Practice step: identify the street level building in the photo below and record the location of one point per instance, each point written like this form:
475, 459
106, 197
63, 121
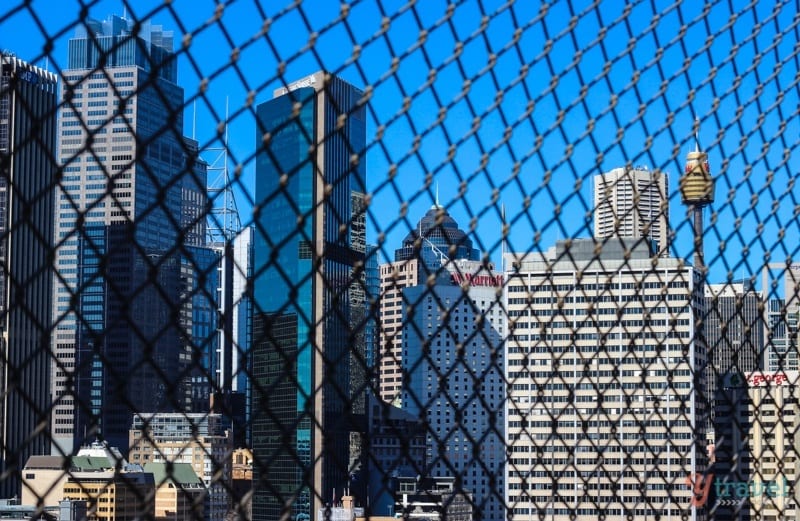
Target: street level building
98, 477
28, 168
309, 305
633, 202
179, 492
605, 413
196, 439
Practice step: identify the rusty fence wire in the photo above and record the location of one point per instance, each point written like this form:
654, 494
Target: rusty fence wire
399, 260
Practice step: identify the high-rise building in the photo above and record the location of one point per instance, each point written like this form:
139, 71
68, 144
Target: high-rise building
633, 202
756, 465
453, 361
28, 165
780, 351
605, 410
118, 344
782, 316
426, 249
308, 277
732, 328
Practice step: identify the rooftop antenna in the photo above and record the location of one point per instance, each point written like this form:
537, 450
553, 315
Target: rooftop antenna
696, 134
437, 194
194, 118
503, 236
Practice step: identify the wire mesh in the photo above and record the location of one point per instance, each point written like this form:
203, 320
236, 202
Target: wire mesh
382, 259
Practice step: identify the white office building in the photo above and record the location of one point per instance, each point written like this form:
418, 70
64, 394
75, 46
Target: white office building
633, 202
605, 418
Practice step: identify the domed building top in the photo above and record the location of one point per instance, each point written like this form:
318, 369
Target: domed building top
439, 232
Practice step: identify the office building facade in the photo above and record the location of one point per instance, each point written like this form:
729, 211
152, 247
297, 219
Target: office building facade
604, 396
633, 202
426, 250
453, 363
756, 463
118, 346
733, 331
197, 439
28, 105
308, 307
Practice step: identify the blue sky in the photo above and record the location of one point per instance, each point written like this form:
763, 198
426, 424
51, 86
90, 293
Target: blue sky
555, 94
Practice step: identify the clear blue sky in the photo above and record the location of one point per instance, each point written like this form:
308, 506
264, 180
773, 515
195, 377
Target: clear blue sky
583, 89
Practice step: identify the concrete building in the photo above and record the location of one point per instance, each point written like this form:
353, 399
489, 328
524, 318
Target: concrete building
733, 332
179, 494
426, 249
453, 361
633, 202
605, 411
27, 174
395, 447
756, 455
195, 439
309, 296
99, 476
118, 348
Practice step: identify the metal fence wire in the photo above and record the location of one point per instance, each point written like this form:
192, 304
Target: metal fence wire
399, 260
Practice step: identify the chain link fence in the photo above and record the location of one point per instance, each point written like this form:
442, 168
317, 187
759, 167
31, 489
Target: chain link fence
408, 260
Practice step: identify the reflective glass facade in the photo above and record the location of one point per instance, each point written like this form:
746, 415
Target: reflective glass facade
309, 299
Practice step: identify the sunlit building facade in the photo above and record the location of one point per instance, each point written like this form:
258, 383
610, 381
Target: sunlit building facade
633, 202
117, 346
427, 249
605, 413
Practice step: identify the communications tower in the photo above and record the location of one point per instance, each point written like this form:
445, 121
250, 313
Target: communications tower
697, 192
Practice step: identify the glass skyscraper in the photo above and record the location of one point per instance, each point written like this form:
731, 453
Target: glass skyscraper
118, 343
309, 293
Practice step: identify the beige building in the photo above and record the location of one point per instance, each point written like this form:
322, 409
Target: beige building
179, 492
395, 277
757, 459
603, 414
632, 202
195, 439
113, 489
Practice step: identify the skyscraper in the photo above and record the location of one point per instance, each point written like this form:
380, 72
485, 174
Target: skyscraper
603, 395
27, 174
308, 308
427, 249
453, 363
633, 202
117, 345
733, 331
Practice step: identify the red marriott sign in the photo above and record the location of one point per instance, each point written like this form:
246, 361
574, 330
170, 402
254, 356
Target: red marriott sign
477, 280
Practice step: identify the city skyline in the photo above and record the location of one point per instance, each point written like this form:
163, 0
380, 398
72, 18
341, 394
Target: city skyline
612, 149
546, 349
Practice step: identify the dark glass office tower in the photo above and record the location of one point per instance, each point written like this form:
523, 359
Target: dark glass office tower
118, 342
308, 307
27, 174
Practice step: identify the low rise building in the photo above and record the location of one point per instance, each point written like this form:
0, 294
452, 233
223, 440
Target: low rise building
96, 484
196, 439
179, 492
